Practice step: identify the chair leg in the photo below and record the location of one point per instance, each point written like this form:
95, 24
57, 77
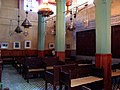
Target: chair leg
45, 85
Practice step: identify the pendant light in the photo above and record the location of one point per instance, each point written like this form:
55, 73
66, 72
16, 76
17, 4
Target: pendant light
26, 23
45, 10
18, 29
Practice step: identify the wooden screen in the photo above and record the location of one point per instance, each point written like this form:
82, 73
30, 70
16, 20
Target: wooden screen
86, 43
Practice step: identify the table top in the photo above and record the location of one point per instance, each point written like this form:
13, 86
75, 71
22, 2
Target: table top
115, 74
84, 80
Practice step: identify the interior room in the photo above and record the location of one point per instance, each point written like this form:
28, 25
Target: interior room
59, 45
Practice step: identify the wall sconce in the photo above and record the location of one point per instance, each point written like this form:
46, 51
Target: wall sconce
45, 10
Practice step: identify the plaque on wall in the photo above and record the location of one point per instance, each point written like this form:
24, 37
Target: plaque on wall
4, 45
27, 44
16, 45
51, 45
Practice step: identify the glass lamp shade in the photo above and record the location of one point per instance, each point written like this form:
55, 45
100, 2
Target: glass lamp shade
26, 23
18, 29
45, 10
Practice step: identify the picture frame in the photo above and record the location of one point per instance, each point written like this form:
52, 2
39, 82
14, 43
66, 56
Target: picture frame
67, 46
4, 45
28, 44
16, 45
51, 45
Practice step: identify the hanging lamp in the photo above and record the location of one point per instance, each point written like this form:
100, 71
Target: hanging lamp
45, 10
71, 24
18, 29
26, 23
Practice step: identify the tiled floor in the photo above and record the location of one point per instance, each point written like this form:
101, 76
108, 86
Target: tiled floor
13, 80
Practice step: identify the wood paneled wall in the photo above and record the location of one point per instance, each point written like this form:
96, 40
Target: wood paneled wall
86, 43
15, 53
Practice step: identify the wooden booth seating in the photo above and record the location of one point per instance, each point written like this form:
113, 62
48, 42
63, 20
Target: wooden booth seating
52, 76
51, 72
1, 66
19, 61
115, 67
89, 76
115, 72
49, 62
33, 67
70, 61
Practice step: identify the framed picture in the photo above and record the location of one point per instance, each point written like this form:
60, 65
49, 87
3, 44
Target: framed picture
4, 45
27, 44
67, 46
16, 45
51, 45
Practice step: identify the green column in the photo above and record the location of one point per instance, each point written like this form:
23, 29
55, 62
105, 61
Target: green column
103, 40
103, 26
60, 28
41, 34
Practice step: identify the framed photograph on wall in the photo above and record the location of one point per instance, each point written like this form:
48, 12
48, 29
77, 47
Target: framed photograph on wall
4, 45
67, 46
16, 45
51, 45
27, 44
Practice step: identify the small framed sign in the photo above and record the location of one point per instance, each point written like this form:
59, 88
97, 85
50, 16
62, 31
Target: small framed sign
51, 45
4, 45
16, 45
27, 44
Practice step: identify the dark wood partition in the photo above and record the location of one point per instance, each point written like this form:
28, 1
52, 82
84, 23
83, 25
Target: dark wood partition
86, 43
115, 45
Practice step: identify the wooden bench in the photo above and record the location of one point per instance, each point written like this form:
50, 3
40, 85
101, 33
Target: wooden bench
71, 61
33, 67
115, 73
49, 62
53, 77
18, 64
52, 72
87, 76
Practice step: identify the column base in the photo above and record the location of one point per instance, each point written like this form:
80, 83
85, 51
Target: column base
105, 61
41, 53
61, 55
